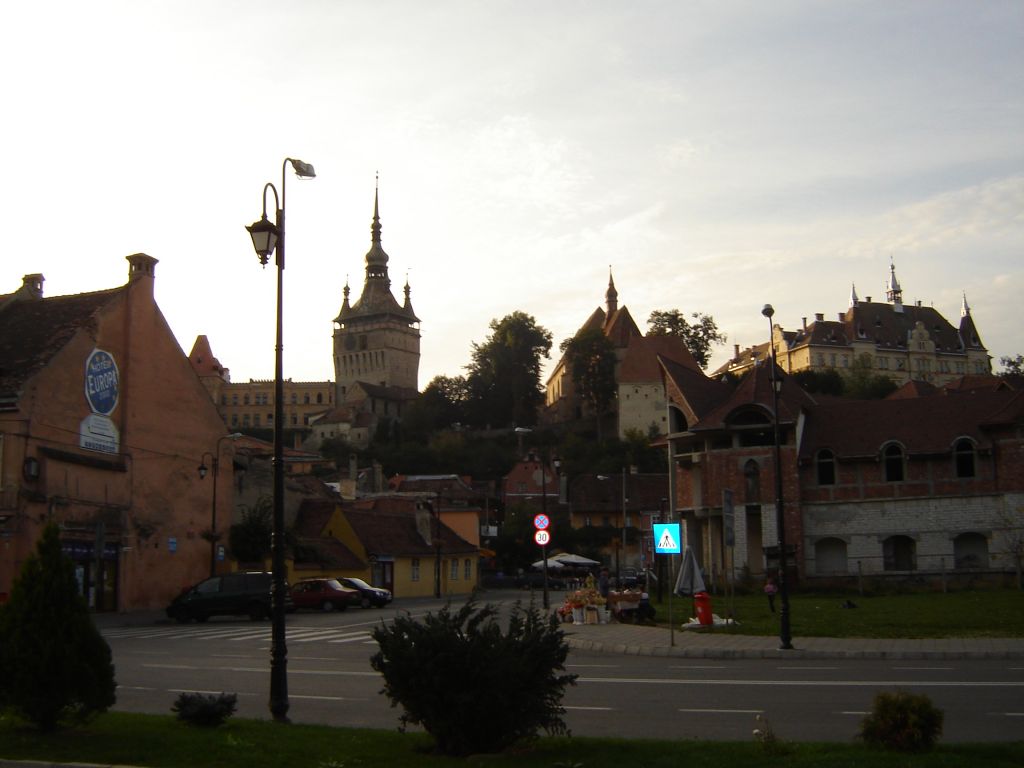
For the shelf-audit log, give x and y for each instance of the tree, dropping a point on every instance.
(864, 384)
(474, 681)
(503, 381)
(55, 665)
(1012, 366)
(590, 358)
(697, 336)
(250, 539)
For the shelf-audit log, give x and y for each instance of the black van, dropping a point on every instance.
(233, 594)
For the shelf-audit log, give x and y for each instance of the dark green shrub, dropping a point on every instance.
(206, 710)
(55, 665)
(472, 686)
(902, 721)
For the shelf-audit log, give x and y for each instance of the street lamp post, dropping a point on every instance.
(266, 238)
(215, 462)
(785, 637)
(544, 511)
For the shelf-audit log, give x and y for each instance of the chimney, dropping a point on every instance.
(32, 286)
(142, 270)
(424, 522)
(819, 316)
(735, 351)
(804, 322)
(867, 299)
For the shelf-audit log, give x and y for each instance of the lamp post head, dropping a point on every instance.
(202, 470)
(264, 236)
(302, 170)
(768, 310)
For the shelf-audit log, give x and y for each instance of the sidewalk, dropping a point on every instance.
(721, 643)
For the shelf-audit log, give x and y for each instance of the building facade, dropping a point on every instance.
(103, 428)
(640, 403)
(905, 342)
(926, 483)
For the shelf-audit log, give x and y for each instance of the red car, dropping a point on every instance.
(323, 595)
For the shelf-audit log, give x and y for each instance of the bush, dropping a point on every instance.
(472, 687)
(55, 665)
(902, 721)
(205, 710)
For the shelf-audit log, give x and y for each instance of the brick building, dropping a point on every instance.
(930, 481)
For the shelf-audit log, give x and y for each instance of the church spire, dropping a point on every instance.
(611, 296)
(965, 310)
(854, 301)
(893, 292)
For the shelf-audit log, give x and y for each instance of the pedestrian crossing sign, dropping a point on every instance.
(666, 539)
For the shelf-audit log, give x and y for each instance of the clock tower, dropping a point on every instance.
(376, 339)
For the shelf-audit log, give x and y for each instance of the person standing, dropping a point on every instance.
(770, 589)
(602, 582)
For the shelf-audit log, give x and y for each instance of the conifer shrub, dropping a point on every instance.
(472, 685)
(55, 666)
(901, 721)
(206, 710)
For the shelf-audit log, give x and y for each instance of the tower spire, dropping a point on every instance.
(611, 296)
(893, 292)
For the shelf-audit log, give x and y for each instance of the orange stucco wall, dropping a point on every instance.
(149, 497)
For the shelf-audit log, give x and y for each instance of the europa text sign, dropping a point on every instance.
(102, 390)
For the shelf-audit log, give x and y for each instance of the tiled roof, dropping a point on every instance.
(700, 393)
(388, 527)
(620, 328)
(313, 516)
(316, 553)
(756, 388)
(923, 425)
(32, 331)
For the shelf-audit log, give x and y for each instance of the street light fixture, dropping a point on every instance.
(785, 637)
(266, 239)
(202, 469)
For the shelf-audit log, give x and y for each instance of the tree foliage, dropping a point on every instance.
(55, 665)
(590, 358)
(698, 336)
(863, 383)
(503, 378)
(472, 686)
(249, 539)
(1012, 366)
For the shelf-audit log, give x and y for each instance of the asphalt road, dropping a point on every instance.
(330, 682)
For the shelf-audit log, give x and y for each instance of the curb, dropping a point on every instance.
(776, 653)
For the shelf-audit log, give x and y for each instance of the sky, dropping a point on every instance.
(716, 156)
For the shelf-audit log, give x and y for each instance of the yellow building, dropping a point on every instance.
(904, 342)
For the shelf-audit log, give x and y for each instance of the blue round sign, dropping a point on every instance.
(101, 382)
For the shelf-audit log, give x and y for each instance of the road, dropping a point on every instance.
(330, 682)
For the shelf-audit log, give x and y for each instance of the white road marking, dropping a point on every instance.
(723, 711)
(811, 683)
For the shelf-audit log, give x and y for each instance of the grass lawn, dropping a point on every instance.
(157, 740)
(988, 613)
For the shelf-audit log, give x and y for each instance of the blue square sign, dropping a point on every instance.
(666, 539)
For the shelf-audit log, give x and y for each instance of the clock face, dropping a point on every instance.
(350, 342)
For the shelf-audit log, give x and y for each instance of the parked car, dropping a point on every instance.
(324, 595)
(368, 595)
(246, 593)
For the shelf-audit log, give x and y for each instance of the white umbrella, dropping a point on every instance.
(569, 559)
(552, 564)
(689, 582)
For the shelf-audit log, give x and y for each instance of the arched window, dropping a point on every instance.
(830, 556)
(970, 550)
(752, 478)
(894, 465)
(963, 457)
(899, 553)
(826, 465)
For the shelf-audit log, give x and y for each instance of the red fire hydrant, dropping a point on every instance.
(702, 601)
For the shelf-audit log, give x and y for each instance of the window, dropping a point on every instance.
(234, 399)
(295, 398)
(234, 419)
(415, 573)
(963, 456)
(295, 419)
(970, 550)
(319, 398)
(467, 569)
(899, 553)
(305, 399)
(245, 399)
(255, 419)
(830, 556)
(454, 573)
(893, 458)
(826, 464)
(752, 476)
